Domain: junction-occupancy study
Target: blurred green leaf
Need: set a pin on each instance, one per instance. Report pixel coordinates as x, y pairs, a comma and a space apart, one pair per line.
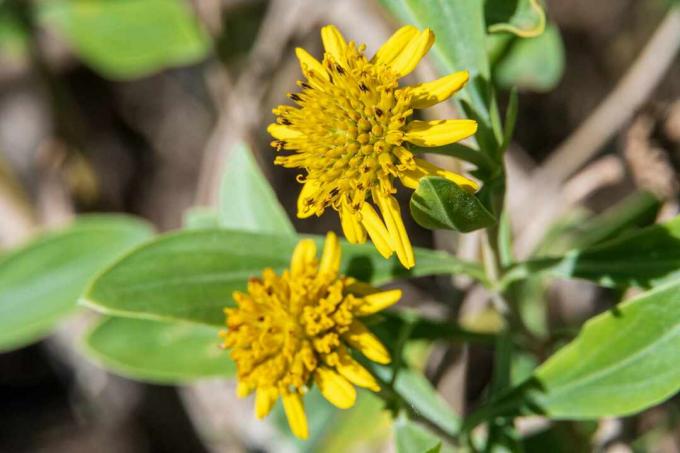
535, 64
411, 437
524, 18
125, 39
646, 257
440, 203
159, 352
247, 201
200, 218
12, 35
622, 362
191, 275
40, 282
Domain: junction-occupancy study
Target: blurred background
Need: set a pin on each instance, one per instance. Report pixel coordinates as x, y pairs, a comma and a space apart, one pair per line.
133, 106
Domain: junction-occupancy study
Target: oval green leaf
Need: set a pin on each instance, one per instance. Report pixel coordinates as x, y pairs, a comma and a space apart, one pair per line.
191, 275
440, 203
247, 201
159, 352
623, 361
125, 39
41, 282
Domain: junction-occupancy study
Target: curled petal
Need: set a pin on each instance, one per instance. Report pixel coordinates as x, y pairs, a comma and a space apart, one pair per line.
428, 94
376, 230
393, 46
265, 398
295, 413
351, 227
310, 65
309, 191
304, 256
283, 132
415, 50
389, 208
361, 339
333, 42
439, 132
351, 370
335, 388
429, 169
376, 302
330, 258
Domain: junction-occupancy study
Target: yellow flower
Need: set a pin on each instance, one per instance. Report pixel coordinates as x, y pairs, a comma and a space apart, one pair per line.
352, 129
293, 329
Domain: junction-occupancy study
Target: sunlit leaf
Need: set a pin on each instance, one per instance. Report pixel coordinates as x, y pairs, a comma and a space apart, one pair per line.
125, 39
412, 437
157, 351
440, 203
40, 282
247, 201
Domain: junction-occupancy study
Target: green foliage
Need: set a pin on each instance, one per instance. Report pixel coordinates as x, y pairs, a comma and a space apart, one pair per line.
412, 437
622, 362
159, 352
191, 275
535, 63
40, 282
440, 203
126, 39
645, 258
12, 35
524, 18
247, 201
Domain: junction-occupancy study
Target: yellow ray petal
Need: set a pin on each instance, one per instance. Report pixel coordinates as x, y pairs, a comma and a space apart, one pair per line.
415, 50
410, 178
389, 208
243, 390
304, 256
430, 93
376, 230
310, 65
295, 413
429, 168
439, 132
265, 398
351, 370
376, 302
330, 258
361, 289
354, 232
309, 190
361, 339
283, 132
395, 45
333, 42
335, 388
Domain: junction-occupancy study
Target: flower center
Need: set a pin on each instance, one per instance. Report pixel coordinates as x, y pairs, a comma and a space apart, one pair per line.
350, 125
285, 327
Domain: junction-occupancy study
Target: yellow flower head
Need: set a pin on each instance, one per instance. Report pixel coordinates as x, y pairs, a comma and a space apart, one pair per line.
293, 329
351, 131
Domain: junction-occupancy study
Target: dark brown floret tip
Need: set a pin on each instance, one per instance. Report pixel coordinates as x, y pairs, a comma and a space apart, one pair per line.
363, 87
340, 69
294, 97
378, 112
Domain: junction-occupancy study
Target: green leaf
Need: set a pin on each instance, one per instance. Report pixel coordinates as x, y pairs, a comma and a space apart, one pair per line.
201, 217
645, 258
125, 39
247, 201
524, 18
13, 38
535, 64
440, 203
40, 282
411, 437
191, 275
623, 361
159, 352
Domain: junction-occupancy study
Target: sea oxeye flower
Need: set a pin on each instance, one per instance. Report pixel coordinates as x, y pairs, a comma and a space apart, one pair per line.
351, 133
297, 329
